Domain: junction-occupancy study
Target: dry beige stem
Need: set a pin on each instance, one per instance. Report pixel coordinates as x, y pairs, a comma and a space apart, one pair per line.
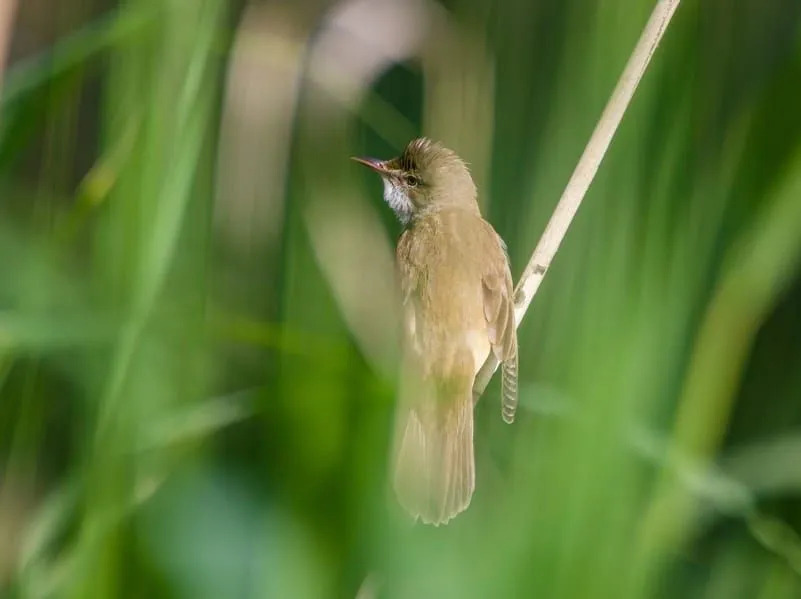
7, 11
584, 173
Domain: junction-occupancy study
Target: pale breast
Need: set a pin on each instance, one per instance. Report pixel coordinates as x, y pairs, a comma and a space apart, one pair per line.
478, 343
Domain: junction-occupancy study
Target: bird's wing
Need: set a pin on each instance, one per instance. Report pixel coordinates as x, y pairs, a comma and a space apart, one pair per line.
500, 315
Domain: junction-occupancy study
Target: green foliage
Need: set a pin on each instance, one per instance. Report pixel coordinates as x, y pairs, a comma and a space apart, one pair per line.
198, 322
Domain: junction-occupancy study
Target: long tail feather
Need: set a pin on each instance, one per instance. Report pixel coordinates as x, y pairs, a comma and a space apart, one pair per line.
509, 389
434, 463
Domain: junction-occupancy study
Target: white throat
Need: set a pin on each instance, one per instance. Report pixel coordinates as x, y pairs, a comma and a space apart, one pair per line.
399, 202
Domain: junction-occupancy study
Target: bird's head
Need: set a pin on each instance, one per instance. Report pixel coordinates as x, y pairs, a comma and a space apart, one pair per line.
425, 177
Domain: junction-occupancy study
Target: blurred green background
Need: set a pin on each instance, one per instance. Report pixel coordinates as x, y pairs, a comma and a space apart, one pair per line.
197, 327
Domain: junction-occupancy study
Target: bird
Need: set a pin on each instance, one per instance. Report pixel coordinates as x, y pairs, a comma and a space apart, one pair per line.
457, 308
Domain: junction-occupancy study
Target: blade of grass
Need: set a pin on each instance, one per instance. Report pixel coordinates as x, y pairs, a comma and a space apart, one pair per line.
757, 270
74, 51
194, 110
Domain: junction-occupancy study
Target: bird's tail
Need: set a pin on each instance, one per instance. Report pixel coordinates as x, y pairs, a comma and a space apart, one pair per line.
434, 474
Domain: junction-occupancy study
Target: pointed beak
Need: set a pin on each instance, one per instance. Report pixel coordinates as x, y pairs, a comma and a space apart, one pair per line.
377, 165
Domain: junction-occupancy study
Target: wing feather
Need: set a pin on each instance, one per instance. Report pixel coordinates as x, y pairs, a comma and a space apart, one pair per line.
499, 312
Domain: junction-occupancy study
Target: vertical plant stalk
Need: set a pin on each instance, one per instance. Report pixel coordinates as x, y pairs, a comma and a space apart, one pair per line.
584, 173
8, 9
757, 269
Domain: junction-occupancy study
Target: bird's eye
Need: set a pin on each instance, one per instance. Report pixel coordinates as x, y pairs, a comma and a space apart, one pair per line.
411, 181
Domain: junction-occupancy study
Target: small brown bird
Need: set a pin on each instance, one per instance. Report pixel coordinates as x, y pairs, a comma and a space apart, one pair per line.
457, 307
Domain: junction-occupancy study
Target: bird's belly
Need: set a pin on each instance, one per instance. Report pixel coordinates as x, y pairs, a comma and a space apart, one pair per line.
448, 327
479, 346
446, 353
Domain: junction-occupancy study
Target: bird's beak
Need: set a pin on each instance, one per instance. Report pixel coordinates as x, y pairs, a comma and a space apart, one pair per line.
379, 166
